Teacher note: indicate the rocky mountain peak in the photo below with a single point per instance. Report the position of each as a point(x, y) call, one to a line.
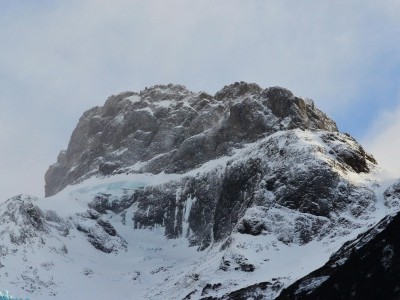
point(237, 90)
point(163, 92)
point(167, 128)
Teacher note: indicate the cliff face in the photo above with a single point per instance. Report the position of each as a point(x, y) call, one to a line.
point(167, 128)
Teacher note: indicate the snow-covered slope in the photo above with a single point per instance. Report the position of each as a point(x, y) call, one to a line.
point(269, 207)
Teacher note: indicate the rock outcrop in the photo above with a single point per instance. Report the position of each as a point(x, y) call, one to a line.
point(167, 128)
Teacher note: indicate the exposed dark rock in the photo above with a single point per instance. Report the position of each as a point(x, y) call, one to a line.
point(107, 227)
point(302, 113)
point(55, 221)
point(237, 188)
point(189, 296)
point(103, 202)
point(210, 287)
point(392, 195)
point(23, 223)
point(106, 168)
point(354, 157)
point(251, 226)
point(237, 90)
point(99, 232)
point(257, 291)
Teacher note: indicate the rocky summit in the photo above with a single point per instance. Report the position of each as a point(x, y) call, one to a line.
point(169, 194)
point(167, 128)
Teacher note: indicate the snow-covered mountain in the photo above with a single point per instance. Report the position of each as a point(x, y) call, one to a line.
point(170, 194)
point(170, 129)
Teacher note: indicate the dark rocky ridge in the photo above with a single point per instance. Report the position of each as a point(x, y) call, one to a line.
point(168, 128)
point(367, 268)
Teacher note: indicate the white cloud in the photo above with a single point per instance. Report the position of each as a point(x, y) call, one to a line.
point(383, 140)
point(311, 48)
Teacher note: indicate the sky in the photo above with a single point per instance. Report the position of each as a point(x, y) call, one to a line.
point(60, 58)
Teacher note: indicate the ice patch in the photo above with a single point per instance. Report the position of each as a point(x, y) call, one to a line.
point(115, 187)
point(185, 217)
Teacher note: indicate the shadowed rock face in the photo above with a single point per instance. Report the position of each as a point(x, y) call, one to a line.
point(366, 268)
point(168, 128)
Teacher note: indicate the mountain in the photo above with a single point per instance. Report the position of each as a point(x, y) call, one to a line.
point(171, 194)
point(170, 129)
